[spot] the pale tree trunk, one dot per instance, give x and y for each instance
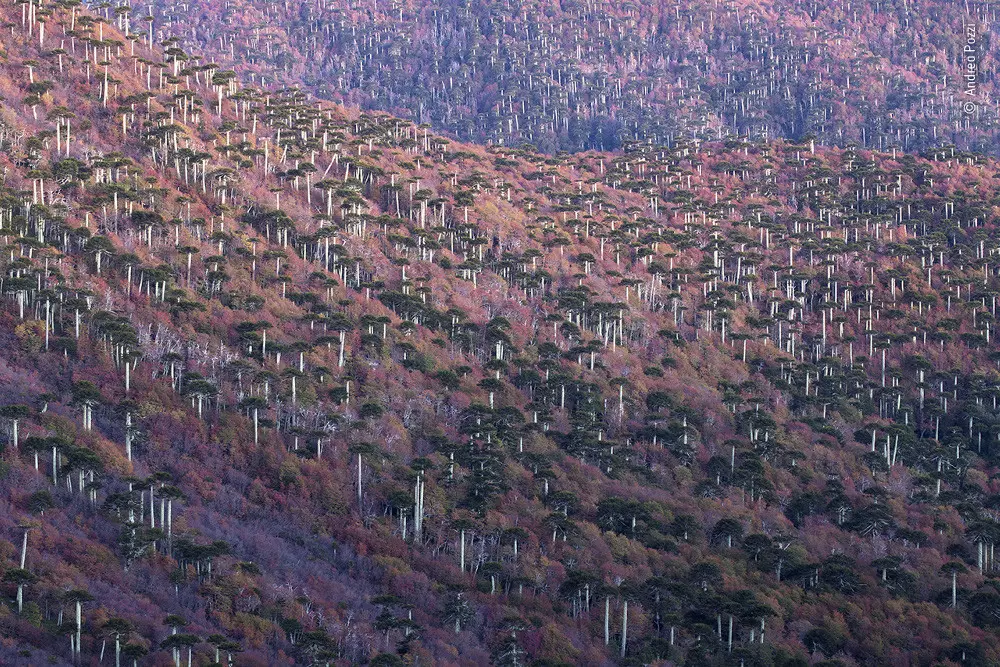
(79, 624)
(359, 481)
(128, 435)
(607, 620)
(624, 627)
(461, 552)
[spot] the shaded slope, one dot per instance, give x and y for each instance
(585, 75)
(650, 383)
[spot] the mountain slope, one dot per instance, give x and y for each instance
(584, 75)
(306, 384)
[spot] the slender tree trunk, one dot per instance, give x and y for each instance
(624, 627)
(359, 481)
(607, 620)
(79, 625)
(461, 550)
(128, 435)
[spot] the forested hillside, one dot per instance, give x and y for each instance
(594, 74)
(284, 382)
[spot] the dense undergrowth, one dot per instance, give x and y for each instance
(288, 382)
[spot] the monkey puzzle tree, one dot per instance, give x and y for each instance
(87, 396)
(119, 630)
(15, 414)
(20, 578)
(457, 610)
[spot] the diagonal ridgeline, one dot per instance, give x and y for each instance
(285, 381)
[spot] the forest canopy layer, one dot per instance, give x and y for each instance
(291, 382)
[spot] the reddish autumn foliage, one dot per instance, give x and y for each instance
(286, 382)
